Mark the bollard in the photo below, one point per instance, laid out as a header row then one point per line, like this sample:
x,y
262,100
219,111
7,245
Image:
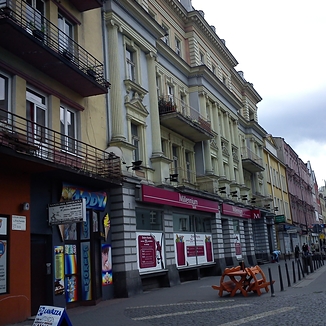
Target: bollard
x,y
280,275
293,269
271,282
298,265
287,274
302,271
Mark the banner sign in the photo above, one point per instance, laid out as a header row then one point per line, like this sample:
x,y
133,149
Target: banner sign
x,y
51,316
94,200
67,212
177,199
240,212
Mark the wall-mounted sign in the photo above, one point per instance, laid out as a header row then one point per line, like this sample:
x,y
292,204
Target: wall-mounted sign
x,y
237,211
18,223
3,225
191,249
72,211
279,219
3,266
150,251
178,199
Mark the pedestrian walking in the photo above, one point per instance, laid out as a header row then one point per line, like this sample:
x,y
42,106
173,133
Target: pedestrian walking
x,y
296,252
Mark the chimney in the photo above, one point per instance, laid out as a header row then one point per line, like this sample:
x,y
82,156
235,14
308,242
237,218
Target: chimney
x,y
187,5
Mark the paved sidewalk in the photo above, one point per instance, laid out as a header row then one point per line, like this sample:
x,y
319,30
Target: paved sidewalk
x,y
113,312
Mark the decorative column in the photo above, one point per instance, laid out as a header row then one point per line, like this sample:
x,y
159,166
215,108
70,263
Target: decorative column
x,y
216,119
228,137
116,91
153,103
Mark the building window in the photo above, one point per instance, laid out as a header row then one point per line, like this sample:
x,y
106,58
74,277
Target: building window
x,y
130,59
68,129
175,156
182,222
4,97
36,113
213,69
202,58
188,168
135,142
148,219
66,36
165,38
203,224
171,93
178,46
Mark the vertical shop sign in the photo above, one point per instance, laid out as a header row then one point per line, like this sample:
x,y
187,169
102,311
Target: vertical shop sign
x,y
3,266
106,265
191,250
150,249
59,288
86,283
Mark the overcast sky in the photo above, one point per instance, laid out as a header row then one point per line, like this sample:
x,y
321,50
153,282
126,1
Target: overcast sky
x,y
281,48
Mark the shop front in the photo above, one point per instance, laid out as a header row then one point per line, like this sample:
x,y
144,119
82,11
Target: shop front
x,y
237,232
179,226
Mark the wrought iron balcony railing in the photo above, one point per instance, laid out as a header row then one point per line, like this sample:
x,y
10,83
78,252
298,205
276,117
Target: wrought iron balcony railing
x,y
23,17
170,104
54,148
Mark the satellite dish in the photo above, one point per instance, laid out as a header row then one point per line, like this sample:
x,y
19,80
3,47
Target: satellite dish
x,y
116,151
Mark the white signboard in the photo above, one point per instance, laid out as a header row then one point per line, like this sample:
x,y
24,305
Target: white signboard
x,y
18,223
67,212
150,251
51,316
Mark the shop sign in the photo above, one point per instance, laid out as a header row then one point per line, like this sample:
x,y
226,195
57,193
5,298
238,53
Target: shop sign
x,y
51,316
72,211
192,250
177,199
18,223
150,251
86,281
240,212
280,219
94,200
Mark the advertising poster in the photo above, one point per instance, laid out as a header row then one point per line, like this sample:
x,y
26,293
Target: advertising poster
x,y
106,265
3,226
86,284
191,251
3,266
85,228
70,270
237,245
59,287
71,288
150,249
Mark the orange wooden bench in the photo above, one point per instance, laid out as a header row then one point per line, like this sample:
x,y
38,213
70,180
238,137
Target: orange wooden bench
x,y
227,286
258,280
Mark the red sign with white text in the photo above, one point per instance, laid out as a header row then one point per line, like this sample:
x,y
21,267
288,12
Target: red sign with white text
x,y
172,198
240,212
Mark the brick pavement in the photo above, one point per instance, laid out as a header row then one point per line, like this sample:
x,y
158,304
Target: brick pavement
x,y
115,312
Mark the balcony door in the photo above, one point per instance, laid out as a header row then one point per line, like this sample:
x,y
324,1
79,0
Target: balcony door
x,y
36,113
35,10
66,36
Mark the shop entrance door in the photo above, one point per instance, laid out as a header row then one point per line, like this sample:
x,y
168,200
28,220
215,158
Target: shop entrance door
x,y
39,272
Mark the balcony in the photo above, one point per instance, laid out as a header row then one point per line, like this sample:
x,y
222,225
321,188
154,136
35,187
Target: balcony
x,y
84,5
30,36
250,161
20,137
183,119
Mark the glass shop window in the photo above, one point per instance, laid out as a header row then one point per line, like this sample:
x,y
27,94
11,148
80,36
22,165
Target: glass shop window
x,y
148,219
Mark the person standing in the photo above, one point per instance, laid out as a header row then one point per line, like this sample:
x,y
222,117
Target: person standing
x,y
296,252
